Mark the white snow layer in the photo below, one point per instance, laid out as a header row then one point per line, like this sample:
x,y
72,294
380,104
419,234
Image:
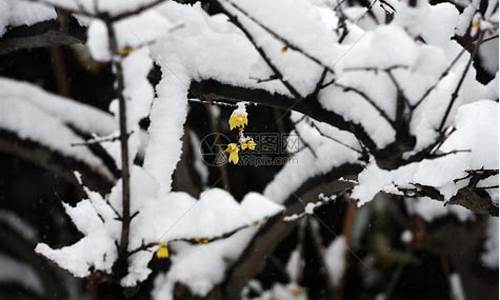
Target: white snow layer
x,y
161,218
24,108
477,131
17,13
210,47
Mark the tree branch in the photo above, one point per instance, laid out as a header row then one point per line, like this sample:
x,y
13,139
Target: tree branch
x,y
122,262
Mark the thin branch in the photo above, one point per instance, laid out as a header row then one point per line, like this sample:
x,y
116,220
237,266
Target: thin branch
x,y
193,100
375,69
100,140
488,187
367,99
306,144
439,155
489,38
430,150
279,37
443,75
270,78
211,89
314,125
200,240
402,103
310,207
454,95
120,87
260,50
319,84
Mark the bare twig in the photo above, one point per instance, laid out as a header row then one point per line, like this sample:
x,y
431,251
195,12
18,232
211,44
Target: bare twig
x,y
454,95
306,144
199,240
277,73
315,126
279,37
120,87
100,140
367,99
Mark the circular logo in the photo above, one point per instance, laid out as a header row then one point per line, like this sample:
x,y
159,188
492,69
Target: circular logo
x,y
212,149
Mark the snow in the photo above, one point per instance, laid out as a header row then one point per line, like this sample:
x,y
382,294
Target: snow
x,y
299,25
134,33
475,123
168,114
17,13
83,117
279,291
304,165
23,105
201,267
97,41
189,45
110,6
162,217
430,210
335,257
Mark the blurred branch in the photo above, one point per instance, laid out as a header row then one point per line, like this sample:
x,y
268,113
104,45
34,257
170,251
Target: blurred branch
x,y
272,233
53,161
43,34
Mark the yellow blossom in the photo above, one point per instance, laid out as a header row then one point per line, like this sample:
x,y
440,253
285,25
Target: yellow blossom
x,y
248,144
297,290
162,252
125,51
238,119
476,25
233,150
201,241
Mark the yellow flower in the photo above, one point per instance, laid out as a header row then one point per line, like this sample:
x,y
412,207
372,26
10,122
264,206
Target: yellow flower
x,y
297,290
162,252
238,119
233,150
201,241
476,25
248,144
125,51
